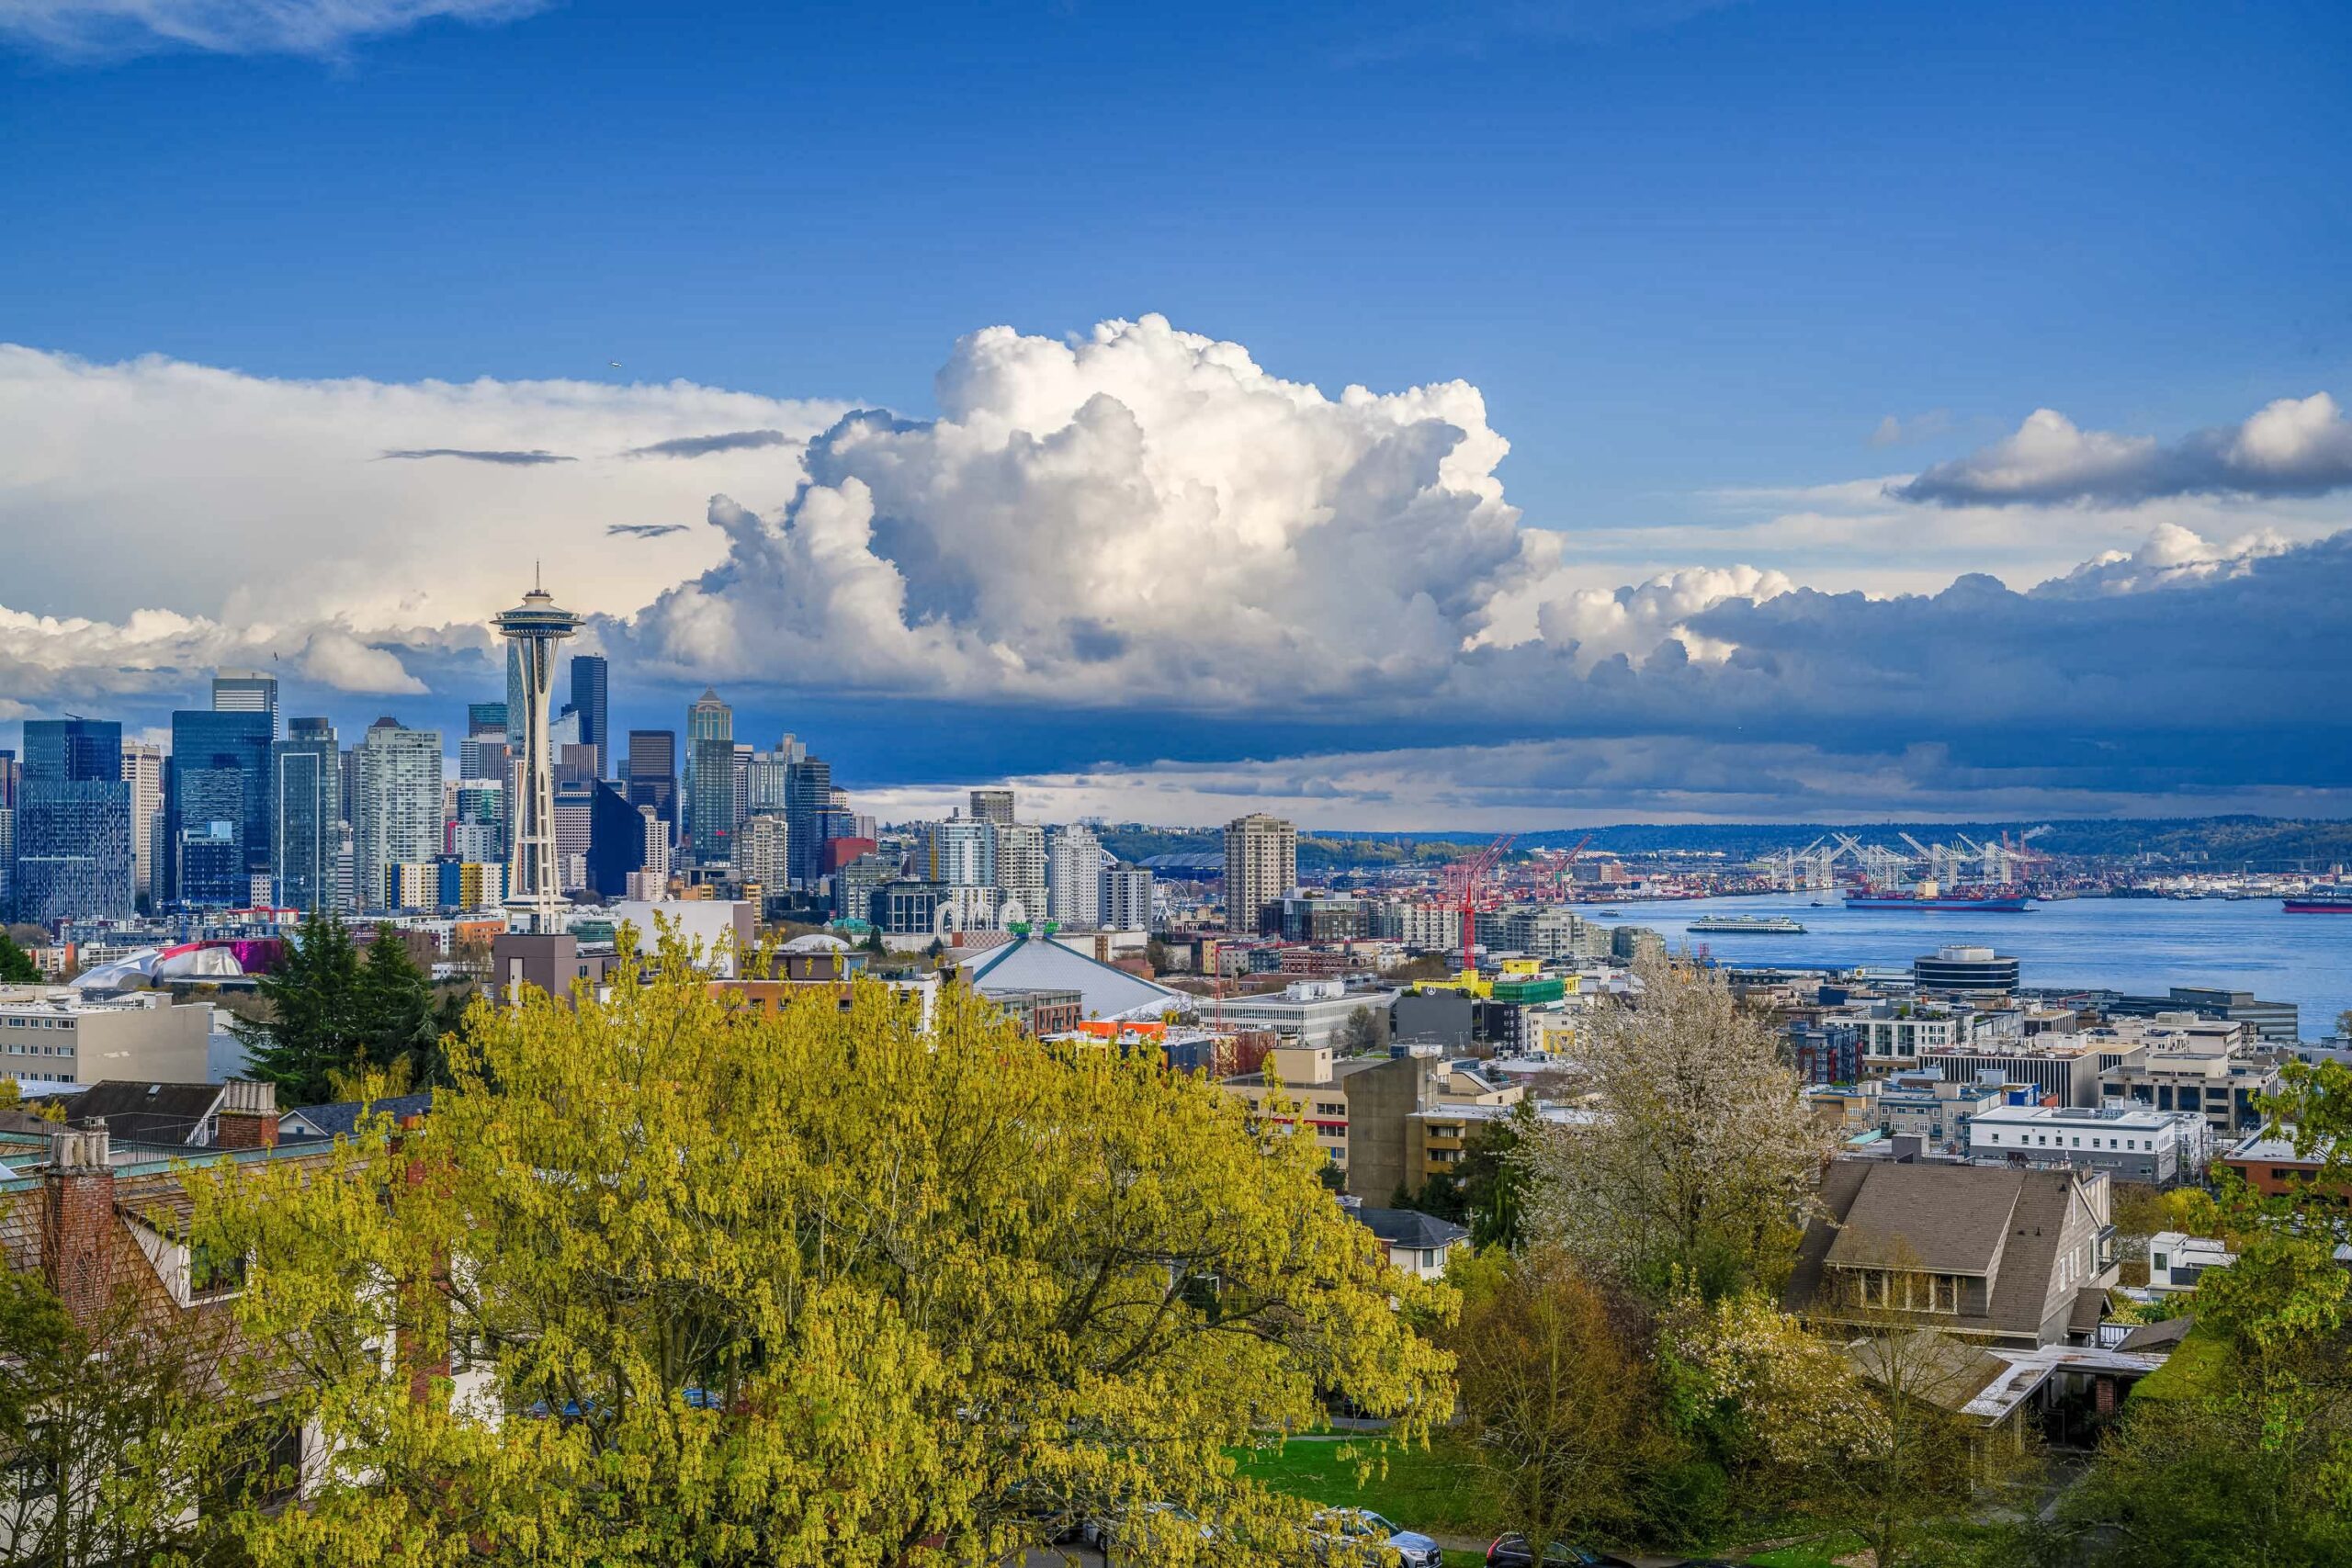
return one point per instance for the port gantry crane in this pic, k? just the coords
(1468, 883)
(1561, 888)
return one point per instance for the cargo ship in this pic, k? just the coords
(1927, 896)
(2333, 900)
(1745, 925)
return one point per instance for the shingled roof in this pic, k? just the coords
(2001, 1224)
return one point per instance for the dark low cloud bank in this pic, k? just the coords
(511, 459)
(704, 445)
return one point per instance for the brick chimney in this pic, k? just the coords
(78, 1218)
(248, 1116)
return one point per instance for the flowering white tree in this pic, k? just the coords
(1704, 1157)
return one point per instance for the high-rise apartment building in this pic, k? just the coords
(1126, 898)
(71, 824)
(763, 852)
(396, 809)
(743, 755)
(306, 837)
(1021, 868)
(588, 672)
(1261, 865)
(9, 773)
(142, 769)
(1074, 878)
(217, 812)
(652, 774)
(959, 851)
(653, 859)
(246, 691)
(807, 798)
(710, 780)
(992, 806)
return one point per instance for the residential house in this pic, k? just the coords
(2012, 1257)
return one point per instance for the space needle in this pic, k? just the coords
(532, 630)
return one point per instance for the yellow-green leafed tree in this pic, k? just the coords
(807, 1287)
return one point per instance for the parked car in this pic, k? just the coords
(1511, 1551)
(1412, 1549)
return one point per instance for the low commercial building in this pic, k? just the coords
(2186, 1070)
(2159, 1149)
(1311, 1013)
(1965, 969)
(2062, 1067)
(2274, 1167)
(53, 1035)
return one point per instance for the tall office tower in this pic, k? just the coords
(807, 795)
(1261, 865)
(959, 851)
(395, 808)
(615, 841)
(1126, 898)
(762, 852)
(478, 823)
(217, 812)
(1021, 867)
(306, 794)
(142, 769)
(742, 782)
(532, 630)
(1074, 878)
(246, 691)
(992, 806)
(486, 718)
(588, 671)
(7, 825)
(652, 774)
(710, 780)
(73, 823)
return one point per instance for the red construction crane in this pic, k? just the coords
(1467, 883)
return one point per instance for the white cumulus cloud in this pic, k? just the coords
(1142, 512)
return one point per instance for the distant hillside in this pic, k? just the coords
(2220, 842)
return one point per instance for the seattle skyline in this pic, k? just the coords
(1634, 487)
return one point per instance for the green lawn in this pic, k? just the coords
(1424, 1489)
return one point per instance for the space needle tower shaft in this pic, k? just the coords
(532, 630)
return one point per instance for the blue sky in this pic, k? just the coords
(1693, 256)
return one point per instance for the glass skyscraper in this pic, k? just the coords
(73, 823)
(306, 840)
(652, 773)
(710, 779)
(807, 795)
(217, 805)
(588, 671)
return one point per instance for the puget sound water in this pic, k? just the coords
(2140, 945)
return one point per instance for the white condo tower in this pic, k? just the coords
(533, 880)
